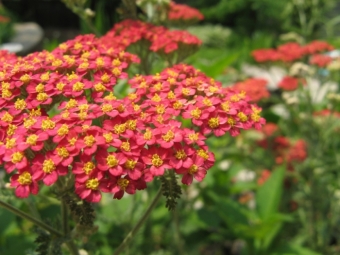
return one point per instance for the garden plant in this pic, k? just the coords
(119, 144)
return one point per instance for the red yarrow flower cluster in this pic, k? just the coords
(285, 150)
(59, 116)
(182, 12)
(255, 88)
(320, 60)
(157, 38)
(290, 52)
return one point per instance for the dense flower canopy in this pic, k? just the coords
(59, 116)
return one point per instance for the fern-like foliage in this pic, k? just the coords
(48, 244)
(170, 189)
(82, 211)
(42, 241)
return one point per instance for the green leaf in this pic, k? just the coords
(233, 214)
(293, 249)
(268, 196)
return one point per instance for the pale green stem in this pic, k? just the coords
(133, 232)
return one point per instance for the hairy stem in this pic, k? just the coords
(133, 232)
(28, 217)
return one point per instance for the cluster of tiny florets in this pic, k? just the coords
(59, 116)
(183, 13)
(290, 52)
(159, 38)
(255, 88)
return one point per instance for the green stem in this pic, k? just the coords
(30, 218)
(91, 26)
(133, 232)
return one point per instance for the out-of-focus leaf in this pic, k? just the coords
(268, 196)
(292, 249)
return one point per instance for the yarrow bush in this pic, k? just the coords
(60, 117)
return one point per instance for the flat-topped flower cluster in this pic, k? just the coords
(159, 38)
(59, 116)
(292, 51)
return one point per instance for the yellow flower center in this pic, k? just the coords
(255, 117)
(99, 62)
(131, 124)
(123, 183)
(214, 122)
(212, 89)
(10, 143)
(116, 62)
(108, 137)
(121, 108)
(160, 109)
(6, 93)
(186, 91)
(20, 104)
(47, 124)
(156, 160)
(105, 78)
(231, 121)
(7, 117)
(110, 96)
(60, 86)
(130, 164)
(171, 95)
(116, 71)
(207, 102)
(177, 105)
(72, 141)
(17, 157)
(225, 106)
(99, 87)
(168, 136)
(25, 78)
(78, 86)
(83, 107)
(119, 128)
(106, 108)
(41, 97)
(235, 98)
(180, 154)
(11, 129)
(203, 154)
(156, 98)
(48, 166)
(78, 46)
(158, 86)
(32, 139)
(63, 130)
(193, 137)
(25, 178)
(40, 88)
(84, 65)
(242, 116)
(125, 146)
(88, 167)
(193, 169)
(57, 63)
(28, 122)
(62, 152)
(92, 184)
(111, 161)
(89, 140)
(147, 135)
(196, 113)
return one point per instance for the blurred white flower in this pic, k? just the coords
(245, 175)
(273, 75)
